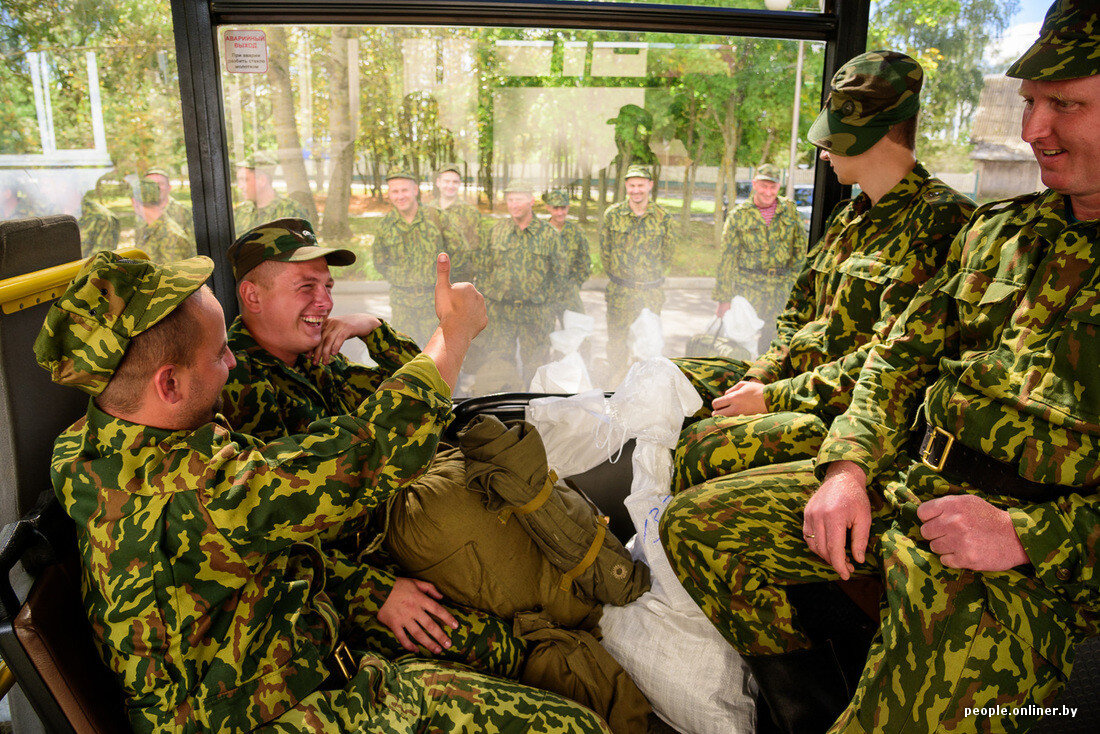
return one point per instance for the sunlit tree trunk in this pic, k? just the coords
(342, 135)
(286, 129)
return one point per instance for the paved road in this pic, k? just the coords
(688, 310)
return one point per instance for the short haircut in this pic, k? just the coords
(166, 342)
(262, 275)
(904, 133)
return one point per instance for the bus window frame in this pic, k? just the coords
(841, 25)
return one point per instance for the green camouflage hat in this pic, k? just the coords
(284, 240)
(261, 159)
(638, 172)
(1068, 45)
(157, 172)
(399, 172)
(555, 198)
(768, 172)
(149, 190)
(867, 96)
(519, 186)
(110, 301)
(453, 167)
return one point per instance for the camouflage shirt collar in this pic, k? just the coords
(241, 341)
(896, 200)
(1048, 213)
(107, 434)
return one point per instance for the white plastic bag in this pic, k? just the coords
(578, 431)
(646, 339)
(568, 374)
(741, 324)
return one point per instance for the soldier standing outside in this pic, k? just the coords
(205, 584)
(520, 269)
(262, 203)
(405, 247)
(763, 245)
(636, 251)
(100, 228)
(984, 531)
(461, 222)
(574, 248)
(158, 231)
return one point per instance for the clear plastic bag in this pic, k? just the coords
(569, 373)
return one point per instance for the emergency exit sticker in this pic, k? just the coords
(246, 52)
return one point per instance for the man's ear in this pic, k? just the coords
(249, 294)
(167, 386)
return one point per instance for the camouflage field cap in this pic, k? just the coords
(638, 172)
(283, 240)
(149, 189)
(768, 172)
(519, 186)
(452, 167)
(261, 161)
(867, 96)
(555, 198)
(157, 172)
(399, 172)
(1068, 45)
(110, 301)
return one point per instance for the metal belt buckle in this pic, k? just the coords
(344, 660)
(928, 444)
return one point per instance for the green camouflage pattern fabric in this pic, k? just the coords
(247, 215)
(1068, 46)
(768, 172)
(109, 301)
(867, 96)
(760, 260)
(461, 226)
(637, 250)
(282, 240)
(520, 271)
(404, 253)
(574, 251)
(268, 399)
(180, 213)
(207, 589)
(164, 240)
(100, 228)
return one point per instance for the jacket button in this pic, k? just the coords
(1062, 574)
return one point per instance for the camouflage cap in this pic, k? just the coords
(638, 172)
(110, 301)
(157, 172)
(555, 198)
(867, 96)
(519, 186)
(262, 160)
(452, 167)
(1068, 45)
(399, 172)
(768, 172)
(283, 240)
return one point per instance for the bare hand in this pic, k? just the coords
(839, 504)
(338, 329)
(411, 610)
(968, 532)
(722, 308)
(744, 398)
(459, 306)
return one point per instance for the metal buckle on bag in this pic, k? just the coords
(927, 448)
(344, 660)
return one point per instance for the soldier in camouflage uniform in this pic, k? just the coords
(636, 252)
(255, 179)
(574, 248)
(876, 252)
(289, 373)
(157, 233)
(460, 222)
(984, 530)
(405, 247)
(173, 209)
(520, 267)
(100, 228)
(202, 574)
(763, 245)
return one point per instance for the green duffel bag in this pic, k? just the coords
(711, 343)
(508, 464)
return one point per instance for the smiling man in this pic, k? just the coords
(981, 516)
(461, 222)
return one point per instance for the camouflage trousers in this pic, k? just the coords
(768, 293)
(711, 376)
(623, 306)
(414, 695)
(527, 325)
(413, 312)
(957, 650)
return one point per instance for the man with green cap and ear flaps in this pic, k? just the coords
(261, 202)
(408, 239)
(877, 250)
(574, 248)
(980, 516)
(206, 586)
(460, 222)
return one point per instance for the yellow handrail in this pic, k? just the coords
(7, 679)
(23, 291)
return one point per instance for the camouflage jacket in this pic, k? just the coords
(854, 283)
(521, 265)
(202, 573)
(634, 248)
(404, 252)
(181, 215)
(749, 244)
(247, 215)
(1001, 349)
(100, 227)
(461, 226)
(164, 240)
(574, 251)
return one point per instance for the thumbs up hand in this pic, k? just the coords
(459, 306)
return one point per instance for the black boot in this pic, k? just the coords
(805, 689)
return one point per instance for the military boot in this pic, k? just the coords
(804, 689)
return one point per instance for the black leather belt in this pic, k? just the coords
(341, 668)
(941, 452)
(641, 284)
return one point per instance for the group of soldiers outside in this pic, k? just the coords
(927, 417)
